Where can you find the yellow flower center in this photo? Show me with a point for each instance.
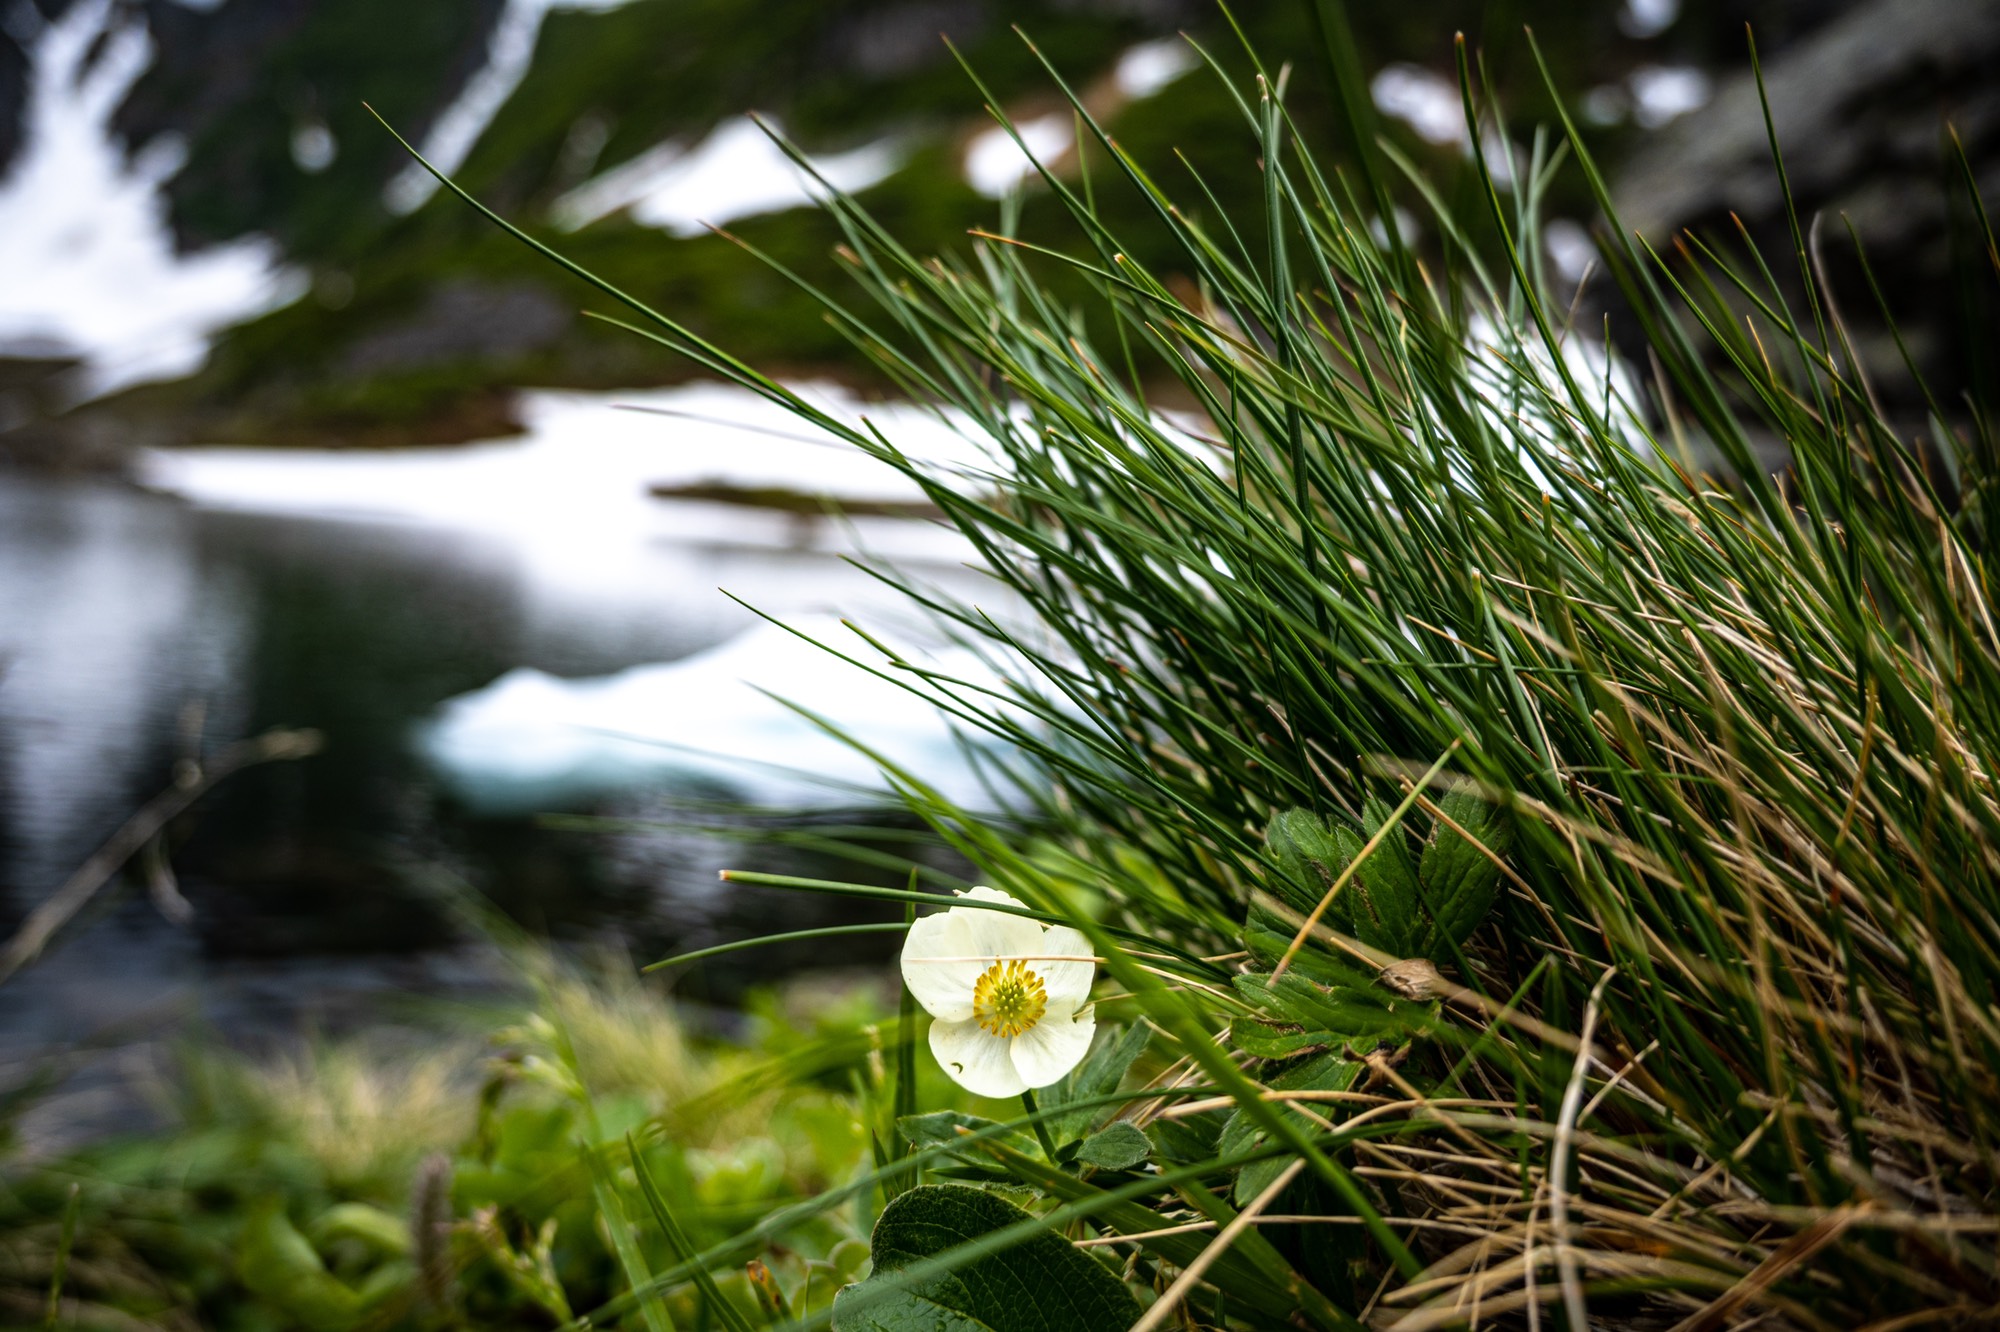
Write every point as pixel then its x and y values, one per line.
pixel 1008 999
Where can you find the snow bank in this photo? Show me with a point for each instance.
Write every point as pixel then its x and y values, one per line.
pixel 509 51
pixel 995 164
pixel 707 724
pixel 737 171
pixel 582 471
pixel 87 262
pixel 1149 67
pixel 563 514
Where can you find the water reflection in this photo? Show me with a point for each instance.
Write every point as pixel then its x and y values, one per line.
pixel 311 880
pixel 108 626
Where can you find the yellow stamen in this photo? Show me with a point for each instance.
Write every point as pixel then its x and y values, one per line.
pixel 1009 999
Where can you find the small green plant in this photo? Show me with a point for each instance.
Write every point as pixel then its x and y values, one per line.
pixel 459 1182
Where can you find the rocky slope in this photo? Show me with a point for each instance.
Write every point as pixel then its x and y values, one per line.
pixel 415 317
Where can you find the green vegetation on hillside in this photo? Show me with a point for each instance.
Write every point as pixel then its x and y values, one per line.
pixel 372 354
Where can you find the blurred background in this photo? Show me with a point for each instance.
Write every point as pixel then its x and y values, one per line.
pixel 287 438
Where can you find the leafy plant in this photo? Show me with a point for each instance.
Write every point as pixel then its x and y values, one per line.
pixel 1040 1284
pixel 366 1185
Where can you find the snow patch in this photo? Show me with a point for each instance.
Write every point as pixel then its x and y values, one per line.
pixel 569 502
pixel 1514 378
pixel 1661 93
pixel 88 264
pixel 509 51
pixel 1424 100
pixel 585 461
pixel 1570 248
pixel 1151 66
pixel 711 723
pixel 314 147
pixel 1648 18
pixel 1431 105
pixel 565 515
pixel 737 171
pixel 995 164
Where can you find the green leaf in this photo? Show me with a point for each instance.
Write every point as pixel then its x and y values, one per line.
pixel 1233 1271
pixel 941 1129
pixel 281 1266
pixel 1325 1255
pixel 1357 1015
pixel 940 1126
pixel 1118 1147
pixel 1385 910
pixel 1278 1040
pixel 1253 1179
pixel 1324 1072
pixel 1187 1140
pixel 1266 936
pixel 1040 1284
pixel 1311 857
pixel 1328 1073
pixel 715 1305
pixel 1460 881
pixel 380 1230
pixel 1098 1075
pixel 624 1243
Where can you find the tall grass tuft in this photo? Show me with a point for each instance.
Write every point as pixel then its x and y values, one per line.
pixel 1572 834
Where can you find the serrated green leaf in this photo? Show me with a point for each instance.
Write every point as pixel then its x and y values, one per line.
pixel 1311 856
pixel 1099 1074
pixel 1118 1147
pixel 1460 881
pixel 1239 1134
pixel 940 1126
pixel 1188 1139
pixel 1386 909
pixel 1266 937
pixel 1270 1040
pixel 1331 1071
pixel 1325 1255
pixel 1253 1179
pixel 1233 1271
pixel 1041 1284
pixel 1356 1014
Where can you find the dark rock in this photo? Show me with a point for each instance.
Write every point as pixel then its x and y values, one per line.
pixel 1860 106
pixel 906 37
pixel 1859 102
pixel 34 390
pixel 463 320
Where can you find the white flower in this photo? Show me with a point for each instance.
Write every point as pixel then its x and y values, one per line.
pixel 1012 1009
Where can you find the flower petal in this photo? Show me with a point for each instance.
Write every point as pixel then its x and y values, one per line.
pixel 997 935
pixel 1068 983
pixel 1053 1046
pixel 943 988
pixel 975 1059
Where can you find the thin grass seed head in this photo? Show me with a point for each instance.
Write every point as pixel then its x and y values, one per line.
pixel 1011 996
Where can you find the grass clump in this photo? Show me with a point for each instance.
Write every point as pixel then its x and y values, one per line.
pixel 1549 849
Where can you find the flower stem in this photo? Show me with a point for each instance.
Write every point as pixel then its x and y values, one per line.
pixel 1041 1130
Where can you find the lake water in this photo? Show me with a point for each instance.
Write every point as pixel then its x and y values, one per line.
pixel 359 595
